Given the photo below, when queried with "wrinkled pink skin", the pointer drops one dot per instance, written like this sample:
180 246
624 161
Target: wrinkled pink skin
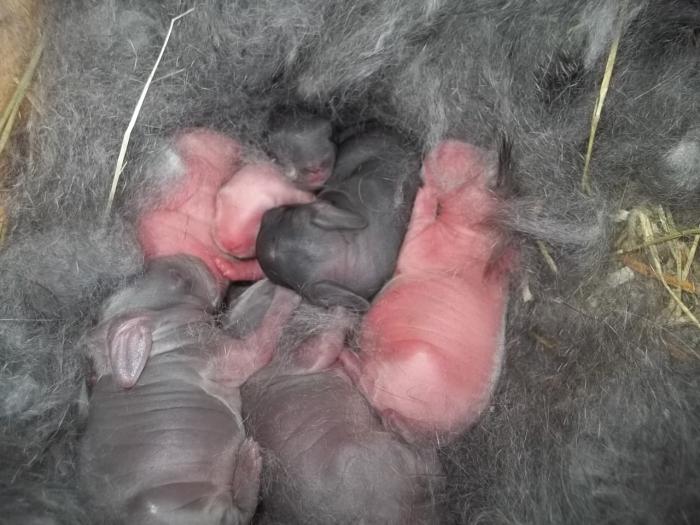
242 201
432 342
209 210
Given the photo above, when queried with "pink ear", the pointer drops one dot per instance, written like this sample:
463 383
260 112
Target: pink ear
424 213
129 343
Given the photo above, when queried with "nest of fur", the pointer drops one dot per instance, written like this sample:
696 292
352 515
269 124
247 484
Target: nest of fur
597 414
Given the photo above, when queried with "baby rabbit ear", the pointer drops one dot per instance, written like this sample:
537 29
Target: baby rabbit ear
330 217
129 342
329 294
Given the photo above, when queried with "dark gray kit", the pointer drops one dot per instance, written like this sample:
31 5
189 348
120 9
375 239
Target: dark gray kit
328 458
302 143
171 449
340 249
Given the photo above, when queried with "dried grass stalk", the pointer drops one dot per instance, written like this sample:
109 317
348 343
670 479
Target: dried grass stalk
127 134
676 256
600 100
645 270
11 111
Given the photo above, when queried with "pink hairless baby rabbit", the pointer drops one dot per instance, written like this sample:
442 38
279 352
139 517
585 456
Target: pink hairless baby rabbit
432 341
214 209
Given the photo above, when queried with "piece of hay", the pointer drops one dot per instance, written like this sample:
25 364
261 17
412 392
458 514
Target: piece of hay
9 114
671 259
609 66
691 256
127 134
660 240
11 111
547 257
644 269
646 226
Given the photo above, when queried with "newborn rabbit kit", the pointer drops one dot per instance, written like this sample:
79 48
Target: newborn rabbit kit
594 415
